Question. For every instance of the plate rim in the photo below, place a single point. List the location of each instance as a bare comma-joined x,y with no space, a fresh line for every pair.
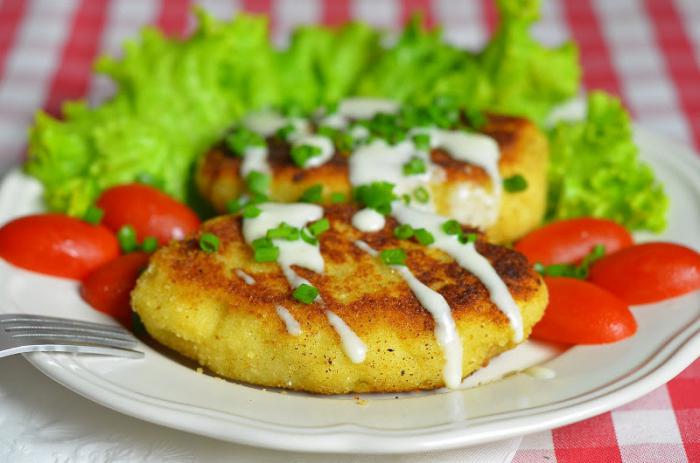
360,439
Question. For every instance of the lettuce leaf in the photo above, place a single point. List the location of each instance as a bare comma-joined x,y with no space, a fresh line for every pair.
595,170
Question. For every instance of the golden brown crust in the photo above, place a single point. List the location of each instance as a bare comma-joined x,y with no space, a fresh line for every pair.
523,149
195,303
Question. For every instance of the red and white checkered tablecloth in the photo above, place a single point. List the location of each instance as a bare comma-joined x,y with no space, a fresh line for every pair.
646,51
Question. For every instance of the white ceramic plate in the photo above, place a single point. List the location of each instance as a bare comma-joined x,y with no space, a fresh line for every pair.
589,379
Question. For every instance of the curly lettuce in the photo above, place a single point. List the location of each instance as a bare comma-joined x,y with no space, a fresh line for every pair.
595,170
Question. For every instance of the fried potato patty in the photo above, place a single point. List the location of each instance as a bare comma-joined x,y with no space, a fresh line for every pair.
199,305
524,151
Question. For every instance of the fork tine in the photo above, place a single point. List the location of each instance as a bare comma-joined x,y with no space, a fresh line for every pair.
80,349
34,327
70,338
55,321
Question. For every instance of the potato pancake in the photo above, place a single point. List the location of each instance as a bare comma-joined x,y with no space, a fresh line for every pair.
238,318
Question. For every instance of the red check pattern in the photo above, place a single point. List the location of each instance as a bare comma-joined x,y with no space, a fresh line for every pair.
646,51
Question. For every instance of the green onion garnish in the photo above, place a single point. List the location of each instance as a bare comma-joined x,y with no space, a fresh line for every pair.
451,227
414,167
422,141
93,215
376,195
233,206
571,270
250,211
127,238
284,132
149,244
305,293
313,194
258,183
393,256
307,237
515,183
337,198
209,243
421,195
302,153
423,236
319,227
283,231
403,232
241,138
264,250
466,238
406,198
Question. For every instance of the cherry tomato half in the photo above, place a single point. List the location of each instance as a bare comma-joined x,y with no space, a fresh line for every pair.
150,211
648,272
569,241
108,288
582,313
56,244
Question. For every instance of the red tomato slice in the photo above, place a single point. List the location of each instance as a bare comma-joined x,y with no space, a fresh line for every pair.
648,272
150,211
582,313
56,244
108,288
569,241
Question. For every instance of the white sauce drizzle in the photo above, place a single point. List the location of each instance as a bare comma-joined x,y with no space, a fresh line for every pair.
247,279
290,322
368,220
468,258
445,328
255,158
366,108
325,144
354,348
297,252
303,254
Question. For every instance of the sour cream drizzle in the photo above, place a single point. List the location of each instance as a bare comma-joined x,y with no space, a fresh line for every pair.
247,279
468,258
368,220
445,328
302,254
290,322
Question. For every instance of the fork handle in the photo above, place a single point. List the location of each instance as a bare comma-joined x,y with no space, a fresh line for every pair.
76,349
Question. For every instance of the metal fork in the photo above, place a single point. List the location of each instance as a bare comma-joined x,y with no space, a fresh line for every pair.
20,333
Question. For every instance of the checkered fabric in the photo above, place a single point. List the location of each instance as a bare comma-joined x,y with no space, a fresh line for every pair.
646,51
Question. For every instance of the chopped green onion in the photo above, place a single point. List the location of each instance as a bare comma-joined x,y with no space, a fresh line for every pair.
422,141
264,250
302,153
421,195
93,215
403,232
313,194
250,211
283,231
451,227
305,293
127,238
209,243
233,206
258,182
337,198
319,227
515,184
414,167
307,237
466,238
395,256
571,270
285,132
406,198
149,244
242,138
344,142
423,236
326,131
476,118
376,195
257,198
